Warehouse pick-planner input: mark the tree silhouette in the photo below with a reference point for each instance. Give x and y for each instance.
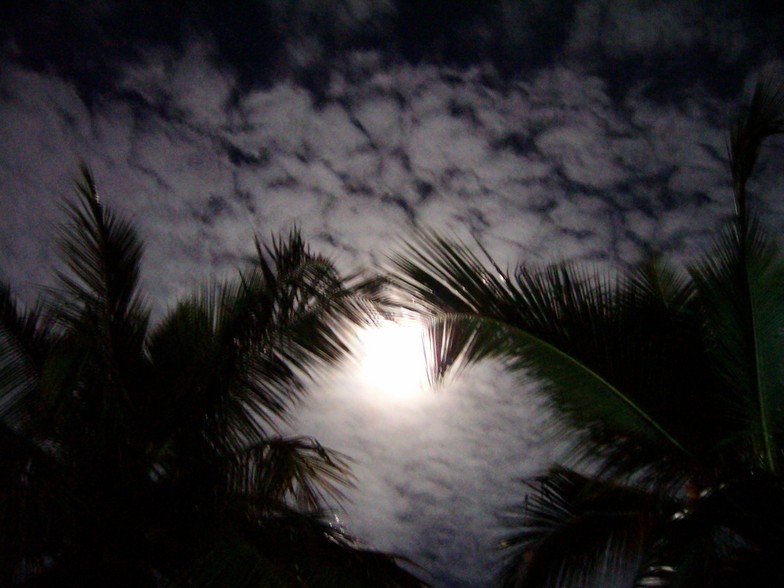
(151, 455)
(672, 382)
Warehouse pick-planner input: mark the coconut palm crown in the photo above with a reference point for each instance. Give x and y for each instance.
(142, 455)
(672, 382)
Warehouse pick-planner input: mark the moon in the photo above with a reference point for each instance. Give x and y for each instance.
(392, 362)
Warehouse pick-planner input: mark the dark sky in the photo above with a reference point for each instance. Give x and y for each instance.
(591, 130)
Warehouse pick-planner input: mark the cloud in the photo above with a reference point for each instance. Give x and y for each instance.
(45, 126)
(435, 472)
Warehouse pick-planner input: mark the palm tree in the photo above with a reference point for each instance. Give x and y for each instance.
(672, 382)
(139, 455)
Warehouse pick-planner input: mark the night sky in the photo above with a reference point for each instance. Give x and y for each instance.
(548, 130)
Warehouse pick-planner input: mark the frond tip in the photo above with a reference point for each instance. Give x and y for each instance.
(296, 471)
(763, 118)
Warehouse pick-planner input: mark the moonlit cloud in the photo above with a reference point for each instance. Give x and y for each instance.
(434, 475)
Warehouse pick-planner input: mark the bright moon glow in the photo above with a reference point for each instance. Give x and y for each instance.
(392, 360)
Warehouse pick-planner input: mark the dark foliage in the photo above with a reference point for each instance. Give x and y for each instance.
(137, 455)
(672, 381)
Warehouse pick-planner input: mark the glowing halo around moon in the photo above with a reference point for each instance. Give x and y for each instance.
(392, 362)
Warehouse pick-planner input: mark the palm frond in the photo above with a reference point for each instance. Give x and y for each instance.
(241, 352)
(213, 353)
(740, 291)
(763, 118)
(666, 344)
(741, 284)
(232, 360)
(310, 302)
(102, 317)
(575, 530)
(102, 254)
(290, 470)
(564, 327)
(24, 344)
(654, 281)
(183, 356)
